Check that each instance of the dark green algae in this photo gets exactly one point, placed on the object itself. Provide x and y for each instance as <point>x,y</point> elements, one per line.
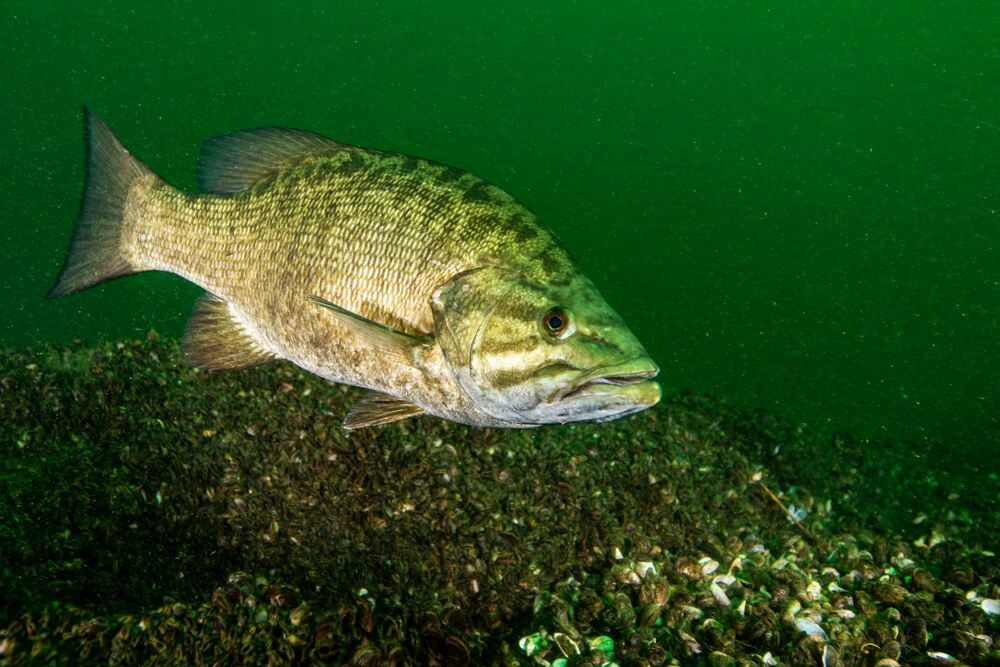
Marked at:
<point>152,513</point>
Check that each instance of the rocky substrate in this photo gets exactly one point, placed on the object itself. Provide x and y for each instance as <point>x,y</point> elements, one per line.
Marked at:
<point>152,513</point>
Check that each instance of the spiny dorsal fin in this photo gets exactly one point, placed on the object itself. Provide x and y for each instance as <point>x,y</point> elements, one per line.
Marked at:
<point>377,408</point>
<point>238,161</point>
<point>216,340</point>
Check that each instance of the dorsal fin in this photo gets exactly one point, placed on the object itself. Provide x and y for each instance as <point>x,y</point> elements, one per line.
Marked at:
<point>238,161</point>
<point>377,408</point>
<point>216,340</point>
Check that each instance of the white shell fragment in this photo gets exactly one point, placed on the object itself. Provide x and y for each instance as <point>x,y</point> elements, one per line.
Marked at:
<point>718,585</point>
<point>643,567</point>
<point>690,642</point>
<point>811,628</point>
<point>629,576</point>
<point>532,643</point>
<point>720,595</point>
<point>692,611</point>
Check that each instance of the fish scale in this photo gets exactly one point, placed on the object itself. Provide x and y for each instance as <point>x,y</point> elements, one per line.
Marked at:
<point>379,270</point>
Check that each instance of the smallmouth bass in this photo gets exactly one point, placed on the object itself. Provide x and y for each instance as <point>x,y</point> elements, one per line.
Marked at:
<point>435,290</point>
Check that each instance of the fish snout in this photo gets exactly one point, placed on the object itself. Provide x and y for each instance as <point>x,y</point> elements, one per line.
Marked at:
<point>632,378</point>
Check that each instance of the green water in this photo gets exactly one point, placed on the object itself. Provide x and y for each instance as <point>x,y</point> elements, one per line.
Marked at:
<point>794,205</point>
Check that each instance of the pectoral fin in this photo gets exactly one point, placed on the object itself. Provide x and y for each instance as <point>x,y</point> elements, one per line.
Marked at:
<point>377,408</point>
<point>393,344</point>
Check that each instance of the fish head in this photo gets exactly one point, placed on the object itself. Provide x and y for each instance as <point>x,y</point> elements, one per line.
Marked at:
<point>531,352</point>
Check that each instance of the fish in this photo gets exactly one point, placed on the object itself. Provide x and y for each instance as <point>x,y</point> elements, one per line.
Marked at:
<point>434,290</point>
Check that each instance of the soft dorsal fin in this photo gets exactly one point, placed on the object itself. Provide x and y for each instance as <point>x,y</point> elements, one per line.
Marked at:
<point>238,161</point>
<point>377,408</point>
<point>216,340</point>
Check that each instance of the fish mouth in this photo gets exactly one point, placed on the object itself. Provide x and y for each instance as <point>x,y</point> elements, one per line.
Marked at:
<point>632,379</point>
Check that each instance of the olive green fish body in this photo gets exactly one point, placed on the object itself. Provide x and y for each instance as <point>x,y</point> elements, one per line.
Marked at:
<point>373,269</point>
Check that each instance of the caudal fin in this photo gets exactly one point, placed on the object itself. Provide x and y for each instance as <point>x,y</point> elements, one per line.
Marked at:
<point>96,253</point>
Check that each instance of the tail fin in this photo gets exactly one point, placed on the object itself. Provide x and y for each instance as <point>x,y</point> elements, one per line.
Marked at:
<point>96,253</point>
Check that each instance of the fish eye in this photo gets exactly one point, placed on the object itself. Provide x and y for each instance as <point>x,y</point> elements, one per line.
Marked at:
<point>558,322</point>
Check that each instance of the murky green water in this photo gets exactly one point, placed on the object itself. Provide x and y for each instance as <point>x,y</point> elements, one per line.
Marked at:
<point>794,205</point>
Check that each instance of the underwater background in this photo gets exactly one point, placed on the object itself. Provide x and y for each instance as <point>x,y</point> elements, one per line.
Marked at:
<point>794,205</point>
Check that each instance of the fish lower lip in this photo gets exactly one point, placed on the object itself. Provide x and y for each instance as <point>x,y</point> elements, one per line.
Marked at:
<point>581,389</point>
<point>626,374</point>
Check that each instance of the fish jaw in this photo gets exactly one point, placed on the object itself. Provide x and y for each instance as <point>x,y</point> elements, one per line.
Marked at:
<point>605,378</point>
<point>609,392</point>
<point>610,402</point>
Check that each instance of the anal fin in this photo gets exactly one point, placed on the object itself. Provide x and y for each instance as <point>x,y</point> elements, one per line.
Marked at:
<point>216,340</point>
<point>377,408</point>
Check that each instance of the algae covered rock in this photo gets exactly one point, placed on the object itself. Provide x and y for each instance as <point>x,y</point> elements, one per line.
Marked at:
<point>155,513</point>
